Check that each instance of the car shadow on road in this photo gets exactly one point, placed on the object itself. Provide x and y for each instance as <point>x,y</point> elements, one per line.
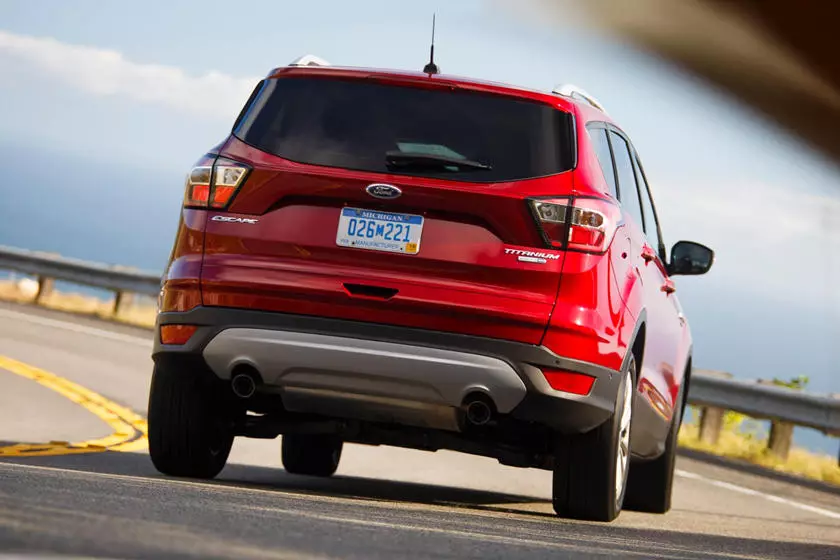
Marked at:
<point>276,479</point>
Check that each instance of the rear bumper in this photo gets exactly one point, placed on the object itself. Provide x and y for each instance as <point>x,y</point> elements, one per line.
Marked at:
<point>382,373</point>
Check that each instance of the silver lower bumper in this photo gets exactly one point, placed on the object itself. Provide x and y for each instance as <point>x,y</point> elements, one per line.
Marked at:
<point>365,379</point>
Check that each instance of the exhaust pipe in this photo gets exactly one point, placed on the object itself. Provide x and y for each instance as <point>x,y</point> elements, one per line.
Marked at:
<point>479,412</point>
<point>244,385</point>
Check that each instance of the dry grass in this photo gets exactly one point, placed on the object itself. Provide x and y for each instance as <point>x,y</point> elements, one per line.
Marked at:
<point>742,439</point>
<point>142,313</point>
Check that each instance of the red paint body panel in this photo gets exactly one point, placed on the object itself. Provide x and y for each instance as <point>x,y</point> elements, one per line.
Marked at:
<point>181,281</point>
<point>460,281</point>
<point>582,306</point>
<point>588,318</point>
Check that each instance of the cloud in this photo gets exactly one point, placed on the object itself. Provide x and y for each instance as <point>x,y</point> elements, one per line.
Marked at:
<point>771,241</point>
<point>766,213</point>
<point>104,72</point>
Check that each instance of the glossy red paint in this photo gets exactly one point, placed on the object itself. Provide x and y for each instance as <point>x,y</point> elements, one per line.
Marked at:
<point>462,279</point>
<point>587,318</point>
<point>181,286</point>
<point>465,277</point>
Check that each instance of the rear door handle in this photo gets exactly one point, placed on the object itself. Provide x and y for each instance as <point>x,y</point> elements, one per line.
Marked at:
<point>668,287</point>
<point>648,254</point>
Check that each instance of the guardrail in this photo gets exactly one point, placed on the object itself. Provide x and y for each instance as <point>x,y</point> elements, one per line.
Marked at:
<point>48,268</point>
<point>716,392</point>
<point>713,392</point>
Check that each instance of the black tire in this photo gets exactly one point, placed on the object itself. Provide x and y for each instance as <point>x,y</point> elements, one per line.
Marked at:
<point>190,432</point>
<point>651,483</point>
<point>312,455</point>
<point>586,465</point>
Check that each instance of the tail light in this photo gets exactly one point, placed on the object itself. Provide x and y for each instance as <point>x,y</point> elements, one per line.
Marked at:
<point>579,224</point>
<point>198,183</point>
<point>228,176</point>
<point>213,182</point>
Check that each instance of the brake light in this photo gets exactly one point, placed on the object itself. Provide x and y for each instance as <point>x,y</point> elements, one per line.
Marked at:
<point>580,224</point>
<point>569,381</point>
<point>228,176</point>
<point>213,182</point>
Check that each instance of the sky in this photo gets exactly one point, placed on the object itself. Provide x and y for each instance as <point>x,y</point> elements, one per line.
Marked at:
<point>128,95</point>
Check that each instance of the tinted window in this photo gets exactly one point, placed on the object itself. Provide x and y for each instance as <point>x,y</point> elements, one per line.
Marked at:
<point>353,124</point>
<point>647,206</point>
<point>602,149</point>
<point>629,195</point>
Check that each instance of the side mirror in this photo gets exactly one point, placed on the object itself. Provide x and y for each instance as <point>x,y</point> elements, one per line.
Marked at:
<point>689,258</point>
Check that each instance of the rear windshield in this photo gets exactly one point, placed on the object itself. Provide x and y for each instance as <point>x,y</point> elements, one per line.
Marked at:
<point>370,126</point>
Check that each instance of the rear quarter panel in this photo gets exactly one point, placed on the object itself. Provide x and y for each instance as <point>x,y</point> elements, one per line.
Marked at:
<point>180,290</point>
<point>590,321</point>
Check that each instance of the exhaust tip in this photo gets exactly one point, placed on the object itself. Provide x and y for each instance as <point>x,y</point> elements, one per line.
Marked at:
<point>479,412</point>
<point>244,385</point>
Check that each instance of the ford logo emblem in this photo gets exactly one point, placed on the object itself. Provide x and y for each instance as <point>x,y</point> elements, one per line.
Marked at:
<point>381,190</point>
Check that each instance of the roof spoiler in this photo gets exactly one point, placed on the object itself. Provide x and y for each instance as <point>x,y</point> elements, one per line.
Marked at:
<point>570,90</point>
<point>309,60</point>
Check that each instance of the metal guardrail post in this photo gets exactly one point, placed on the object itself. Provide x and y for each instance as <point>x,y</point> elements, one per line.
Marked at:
<point>122,301</point>
<point>781,437</point>
<point>781,434</point>
<point>711,417</point>
<point>46,286</point>
<point>836,396</point>
<point>711,424</point>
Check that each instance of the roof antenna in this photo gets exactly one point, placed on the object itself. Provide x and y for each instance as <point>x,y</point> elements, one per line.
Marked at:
<point>431,67</point>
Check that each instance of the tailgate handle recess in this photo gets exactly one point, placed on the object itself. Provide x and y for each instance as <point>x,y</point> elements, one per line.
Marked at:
<point>367,291</point>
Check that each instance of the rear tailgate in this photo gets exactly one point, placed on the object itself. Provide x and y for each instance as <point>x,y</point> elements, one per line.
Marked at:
<point>465,272</point>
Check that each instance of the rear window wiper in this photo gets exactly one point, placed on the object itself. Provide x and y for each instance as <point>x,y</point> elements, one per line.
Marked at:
<point>397,158</point>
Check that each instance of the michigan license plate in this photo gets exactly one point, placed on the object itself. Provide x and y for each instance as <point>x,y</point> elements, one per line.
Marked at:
<point>379,231</point>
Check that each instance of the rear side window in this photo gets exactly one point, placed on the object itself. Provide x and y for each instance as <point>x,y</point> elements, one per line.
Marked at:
<point>651,226</point>
<point>629,194</point>
<point>370,126</point>
<point>602,149</point>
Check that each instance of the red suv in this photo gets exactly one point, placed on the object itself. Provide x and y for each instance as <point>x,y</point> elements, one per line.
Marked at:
<point>423,261</point>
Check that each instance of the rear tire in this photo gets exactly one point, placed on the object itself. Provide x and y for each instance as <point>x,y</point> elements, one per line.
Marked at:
<point>312,455</point>
<point>651,483</point>
<point>190,432</point>
<point>590,470</point>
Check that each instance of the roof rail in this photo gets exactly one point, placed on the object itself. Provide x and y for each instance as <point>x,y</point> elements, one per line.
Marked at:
<point>309,60</point>
<point>573,91</point>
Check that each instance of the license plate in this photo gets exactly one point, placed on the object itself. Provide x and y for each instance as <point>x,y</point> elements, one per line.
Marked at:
<point>379,231</point>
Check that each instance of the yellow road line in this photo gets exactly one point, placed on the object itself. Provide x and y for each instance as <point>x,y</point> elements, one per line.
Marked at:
<point>129,427</point>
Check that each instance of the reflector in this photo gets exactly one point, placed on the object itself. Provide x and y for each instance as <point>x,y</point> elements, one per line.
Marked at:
<point>569,381</point>
<point>176,334</point>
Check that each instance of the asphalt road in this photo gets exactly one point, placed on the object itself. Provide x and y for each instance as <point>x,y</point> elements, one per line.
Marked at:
<point>383,503</point>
